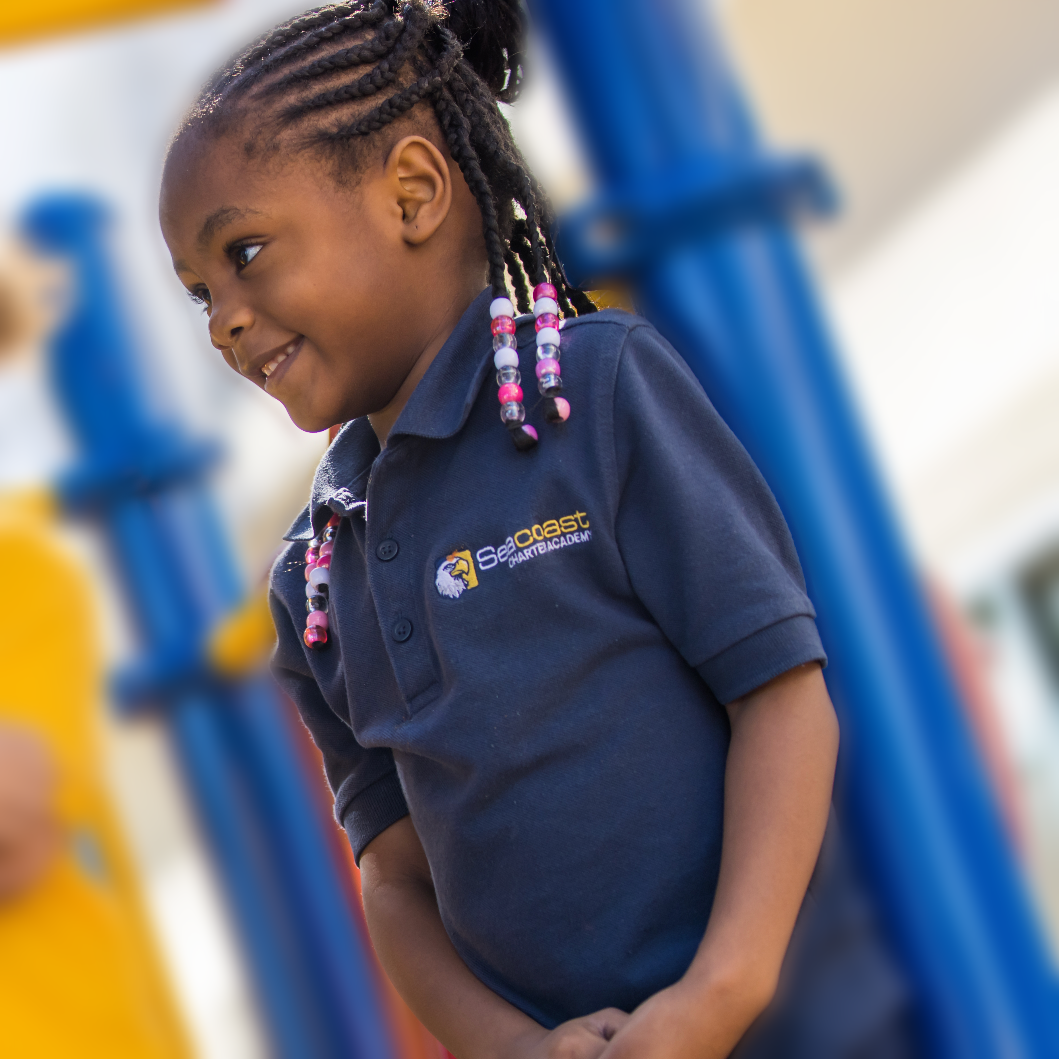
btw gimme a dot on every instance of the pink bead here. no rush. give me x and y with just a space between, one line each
314 634
317 617
309 568
531 431
324 563
510 391
503 325
311 555
547 367
547 320
326 549
562 406
545 290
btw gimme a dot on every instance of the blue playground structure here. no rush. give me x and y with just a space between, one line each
694 213
141 479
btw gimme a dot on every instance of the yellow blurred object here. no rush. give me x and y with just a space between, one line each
79 974
611 298
23 19
242 641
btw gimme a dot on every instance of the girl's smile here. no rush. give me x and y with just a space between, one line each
283 359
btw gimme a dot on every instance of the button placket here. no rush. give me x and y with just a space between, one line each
391 577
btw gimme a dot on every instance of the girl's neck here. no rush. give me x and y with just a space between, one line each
382 421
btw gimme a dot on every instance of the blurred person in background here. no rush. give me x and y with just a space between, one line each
535 751
79 975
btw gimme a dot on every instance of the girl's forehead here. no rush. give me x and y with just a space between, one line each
203 176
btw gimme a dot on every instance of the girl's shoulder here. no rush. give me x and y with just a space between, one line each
620 346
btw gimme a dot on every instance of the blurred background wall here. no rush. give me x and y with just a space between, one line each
940 122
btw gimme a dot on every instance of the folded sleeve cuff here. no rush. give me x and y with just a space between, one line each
762 656
371 811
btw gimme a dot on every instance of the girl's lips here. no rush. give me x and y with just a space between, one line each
276 368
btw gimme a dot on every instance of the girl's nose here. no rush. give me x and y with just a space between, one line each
226 326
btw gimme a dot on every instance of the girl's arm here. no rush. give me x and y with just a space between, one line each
414 949
778 780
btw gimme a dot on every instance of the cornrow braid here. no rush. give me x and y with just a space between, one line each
459 56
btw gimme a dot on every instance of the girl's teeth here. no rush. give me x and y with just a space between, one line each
273 364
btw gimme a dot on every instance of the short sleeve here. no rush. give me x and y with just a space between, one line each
367 791
702 537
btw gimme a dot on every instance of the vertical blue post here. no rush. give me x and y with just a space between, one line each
142 478
663 121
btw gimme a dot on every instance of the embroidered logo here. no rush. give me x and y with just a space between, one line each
455 574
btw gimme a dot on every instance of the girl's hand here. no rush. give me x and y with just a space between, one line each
674 1024
583 1038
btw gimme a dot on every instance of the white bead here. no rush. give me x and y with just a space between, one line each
311 590
320 576
501 307
548 336
505 358
545 305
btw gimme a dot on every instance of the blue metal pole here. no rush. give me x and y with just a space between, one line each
658 108
142 479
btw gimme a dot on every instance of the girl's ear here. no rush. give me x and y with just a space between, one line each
418 175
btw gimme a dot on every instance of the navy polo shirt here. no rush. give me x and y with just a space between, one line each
531 652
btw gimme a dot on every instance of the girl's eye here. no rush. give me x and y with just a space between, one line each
200 296
245 254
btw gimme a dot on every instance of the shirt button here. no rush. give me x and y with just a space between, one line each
402 629
387 549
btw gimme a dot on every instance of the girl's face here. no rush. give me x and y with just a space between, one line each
324 296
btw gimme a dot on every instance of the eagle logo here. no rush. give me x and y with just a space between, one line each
456 574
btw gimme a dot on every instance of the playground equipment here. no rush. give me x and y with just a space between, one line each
693 213
141 479
80 974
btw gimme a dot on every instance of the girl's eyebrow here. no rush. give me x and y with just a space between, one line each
220 218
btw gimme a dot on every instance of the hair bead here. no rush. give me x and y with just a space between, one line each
512 413
548 336
505 357
510 392
503 325
315 637
501 307
557 410
545 290
545 305
547 366
318 576
505 342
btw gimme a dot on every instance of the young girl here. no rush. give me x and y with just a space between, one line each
560 662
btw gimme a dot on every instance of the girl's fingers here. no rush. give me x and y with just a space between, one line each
607 1022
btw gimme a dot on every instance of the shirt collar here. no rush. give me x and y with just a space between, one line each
438 408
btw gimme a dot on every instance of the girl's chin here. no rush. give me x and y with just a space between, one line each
306 420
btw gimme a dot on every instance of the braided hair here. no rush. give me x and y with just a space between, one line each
337 74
